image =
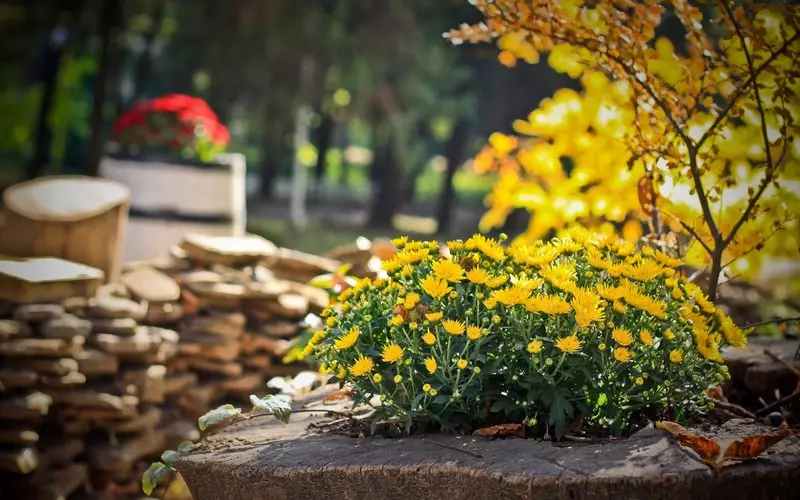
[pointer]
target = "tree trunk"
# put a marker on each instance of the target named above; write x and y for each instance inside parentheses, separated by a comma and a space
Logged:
(324, 138)
(144, 63)
(272, 154)
(109, 21)
(454, 152)
(386, 198)
(50, 67)
(297, 200)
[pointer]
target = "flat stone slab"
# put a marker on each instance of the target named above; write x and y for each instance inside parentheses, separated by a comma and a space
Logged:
(264, 459)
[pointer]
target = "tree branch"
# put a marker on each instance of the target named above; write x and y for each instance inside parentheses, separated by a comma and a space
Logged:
(740, 90)
(771, 167)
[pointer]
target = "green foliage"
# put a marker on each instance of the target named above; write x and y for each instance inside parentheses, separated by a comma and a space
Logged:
(214, 419)
(217, 415)
(534, 333)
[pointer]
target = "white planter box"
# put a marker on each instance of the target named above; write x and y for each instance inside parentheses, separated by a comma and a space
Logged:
(173, 197)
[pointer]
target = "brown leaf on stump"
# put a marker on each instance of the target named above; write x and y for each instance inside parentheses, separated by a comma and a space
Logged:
(345, 393)
(502, 430)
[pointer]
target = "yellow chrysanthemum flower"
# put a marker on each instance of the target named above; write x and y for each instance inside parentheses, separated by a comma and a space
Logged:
(400, 241)
(453, 327)
(666, 260)
(622, 337)
(448, 270)
(490, 303)
(347, 340)
(622, 355)
(548, 304)
(595, 259)
(619, 306)
(646, 337)
(560, 276)
(397, 379)
(434, 316)
(675, 356)
(392, 353)
(645, 270)
(430, 364)
(389, 265)
(477, 275)
(426, 388)
(535, 346)
(609, 293)
(586, 305)
(436, 288)
(487, 246)
(362, 366)
(567, 245)
(342, 373)
(429, 338)
(733, 334)
(569, 344)
(474, 332)
(377, 378)
(511, 296)
(497, 281)
(330, 321)
(455, 245)
(461, 364)
(669, 334)
(307, 350)
(409, 256)
(396, 320)
(411, 300)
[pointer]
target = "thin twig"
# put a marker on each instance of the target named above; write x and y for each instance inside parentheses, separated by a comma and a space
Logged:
(789, 367)
(470, 453)
(778, 404)
(735, 409)
(771, 322)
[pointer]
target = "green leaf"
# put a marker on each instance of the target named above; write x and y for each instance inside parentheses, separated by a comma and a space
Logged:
(170, 456)
(560, 409)
(273, 405)
(154, 475)
(213, 417)
(185, 446)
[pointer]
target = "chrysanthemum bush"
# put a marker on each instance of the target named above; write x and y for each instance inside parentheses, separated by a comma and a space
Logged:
(536, 333)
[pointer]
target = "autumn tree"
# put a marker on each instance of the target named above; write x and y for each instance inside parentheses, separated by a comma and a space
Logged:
(701, 134)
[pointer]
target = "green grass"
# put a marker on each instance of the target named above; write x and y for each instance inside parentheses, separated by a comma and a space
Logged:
(319, 237)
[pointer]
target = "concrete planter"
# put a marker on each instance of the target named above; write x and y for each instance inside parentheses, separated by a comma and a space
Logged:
(171, 197)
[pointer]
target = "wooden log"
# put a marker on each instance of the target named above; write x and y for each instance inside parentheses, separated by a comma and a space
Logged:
(45, 279)
(72, 217)
(25, 408)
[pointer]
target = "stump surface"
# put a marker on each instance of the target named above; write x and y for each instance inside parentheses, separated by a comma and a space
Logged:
(264, 459)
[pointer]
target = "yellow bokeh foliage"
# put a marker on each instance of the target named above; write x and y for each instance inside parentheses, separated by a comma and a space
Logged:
(711, 123)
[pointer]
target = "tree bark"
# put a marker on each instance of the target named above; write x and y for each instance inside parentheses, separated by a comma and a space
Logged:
(144, 63)
(454, 153)
(297, 198)
(110, 18)
(50, 67)
(324, 138)
(386, 198)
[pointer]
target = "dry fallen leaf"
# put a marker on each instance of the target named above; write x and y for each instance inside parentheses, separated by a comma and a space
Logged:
(752, 446)
(345, 393)
(716, 393)
(502, 430)
(738, 450)
(707, 449)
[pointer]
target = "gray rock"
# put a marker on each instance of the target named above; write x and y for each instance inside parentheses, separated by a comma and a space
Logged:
(125, 327)
(66, 327)
(117, 307)
(34, 313)
(11, 329)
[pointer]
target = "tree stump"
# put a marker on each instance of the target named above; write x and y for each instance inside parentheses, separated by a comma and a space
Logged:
(81, 219)
(262, 459)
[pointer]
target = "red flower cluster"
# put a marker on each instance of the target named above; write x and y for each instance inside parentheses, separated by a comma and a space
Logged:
(172, 122)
